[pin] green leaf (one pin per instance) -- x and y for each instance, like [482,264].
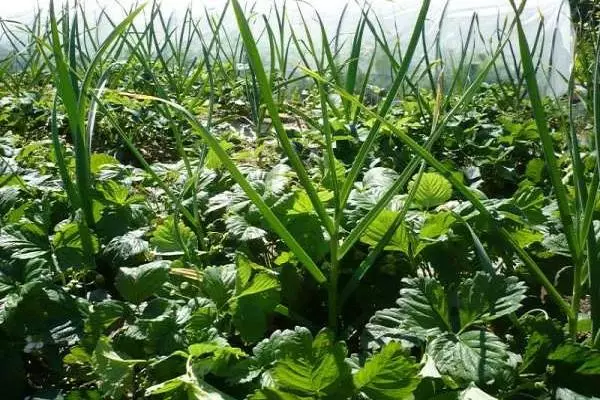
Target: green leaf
[566,394]
[379,179]
[487,297]
[577,367]
[212,159]
[99,160]
[215,356]
[138,283]
[261,283]
[8,198]
[544,335]
[198,328]
[256,295]
[378,228]
[274,394]
[218,283]
[307,230]
[387,325]
[68,246]
[24,241]
[433,190]
[282,344]
[320,373]
[376,182]
[105,314]
[474,393]
[276,180]
[196,389]
[113,193]
[474,356]
[115,374]
[124,248]
[526,237]
[240,228]
[535,168]
[436,225]
[388,375]
[166,387]
[424,307]
[165,238]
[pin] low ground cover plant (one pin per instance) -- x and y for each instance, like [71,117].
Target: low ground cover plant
[230,226]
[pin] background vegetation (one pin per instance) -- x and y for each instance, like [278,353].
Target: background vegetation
[228,225]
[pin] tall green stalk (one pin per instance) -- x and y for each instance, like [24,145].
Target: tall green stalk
[554,173]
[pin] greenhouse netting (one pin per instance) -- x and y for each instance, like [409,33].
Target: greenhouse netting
[455,29]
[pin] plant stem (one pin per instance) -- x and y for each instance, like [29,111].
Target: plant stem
[333,282]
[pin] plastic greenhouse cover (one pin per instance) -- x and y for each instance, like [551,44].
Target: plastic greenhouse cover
[546,22]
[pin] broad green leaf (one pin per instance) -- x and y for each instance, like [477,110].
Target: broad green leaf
[215,356]
[166,387]
[261,283]
[566,394]
[577,367]
[487,297]
[424,307]
[276,180]
[387,325]
[388,375]
[113,192]
[114,373]
[274,394]
[215,347]
[104,314]
[281,344]
[244,269]
[165,238]
[8,198]
[535,168]
[300,202]
[424,310]
[196,389]
[379,179]
[473,356]
[474,393]
[202,320]
[256,295]
[15,295]
[378,228]
[218,283]
[436,225]
[321,373]
[376,182]
[127,247]
[543,336]
[24,241]
[68,246]
[138,283]
[99,160]
[251,313]
[307,230]
[252,279]
[240,228]
[212,161]
[433,190]
[526,237]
